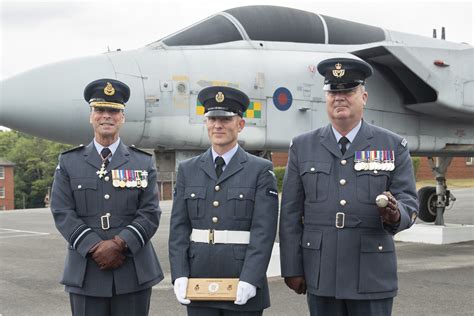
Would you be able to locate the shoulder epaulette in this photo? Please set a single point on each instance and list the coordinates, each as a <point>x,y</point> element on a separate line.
<point>140,150</point>
<point>73,149</point>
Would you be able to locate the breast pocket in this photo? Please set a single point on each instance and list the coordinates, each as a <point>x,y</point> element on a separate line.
<point>195,201</point>
<point>378,264</point>
<point>242,201</point>
<point>315,177</point>
<point>371,184</point>
<point>85,195</point>
<point>126,200</point>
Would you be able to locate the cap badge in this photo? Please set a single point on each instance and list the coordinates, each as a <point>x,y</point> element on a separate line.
<point>220,97</point>
<point>109,90</point>
<point>338,72</point>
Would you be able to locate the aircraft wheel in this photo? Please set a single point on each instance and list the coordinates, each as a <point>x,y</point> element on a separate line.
<point>427,198</point>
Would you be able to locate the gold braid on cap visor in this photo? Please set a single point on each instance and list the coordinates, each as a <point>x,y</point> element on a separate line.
<point>104,104</point>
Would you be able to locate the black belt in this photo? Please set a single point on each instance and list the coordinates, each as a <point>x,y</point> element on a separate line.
<point>342,220</point>
<point>107,221</point>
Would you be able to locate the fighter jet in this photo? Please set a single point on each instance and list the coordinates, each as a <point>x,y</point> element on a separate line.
<point>423,88</point>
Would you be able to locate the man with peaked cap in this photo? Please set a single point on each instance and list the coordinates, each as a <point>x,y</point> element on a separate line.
<point>336,243</point>
<point>224,215</point>
<point>105,204</point>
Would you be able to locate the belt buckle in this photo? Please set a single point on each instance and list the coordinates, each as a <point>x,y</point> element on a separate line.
<point>211,237</point>
<point>340,219</point>
<point>105,221</point>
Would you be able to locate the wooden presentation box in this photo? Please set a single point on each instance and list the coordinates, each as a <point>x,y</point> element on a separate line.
<point>202,289</point>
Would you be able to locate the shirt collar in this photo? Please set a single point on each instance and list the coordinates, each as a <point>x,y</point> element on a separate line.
<point>350,136</point>
<point>227,156</point>
<point>113,147</point>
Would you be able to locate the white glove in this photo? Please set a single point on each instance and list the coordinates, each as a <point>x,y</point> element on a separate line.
<point>180,286</point>
<point>245,291</point>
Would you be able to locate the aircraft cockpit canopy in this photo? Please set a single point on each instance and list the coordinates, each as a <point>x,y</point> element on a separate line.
<point>277,24</point>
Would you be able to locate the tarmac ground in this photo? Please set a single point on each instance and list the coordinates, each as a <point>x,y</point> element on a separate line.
<point>433,279</point>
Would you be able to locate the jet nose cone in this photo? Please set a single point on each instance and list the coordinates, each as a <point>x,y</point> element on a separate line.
<point>48,101</point>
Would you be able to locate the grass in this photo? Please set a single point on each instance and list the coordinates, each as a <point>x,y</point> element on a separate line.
<point>452,183</point>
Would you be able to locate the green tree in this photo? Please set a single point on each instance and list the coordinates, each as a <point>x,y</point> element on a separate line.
<point>35,161</point>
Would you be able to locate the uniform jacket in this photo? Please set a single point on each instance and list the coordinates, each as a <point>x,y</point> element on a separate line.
<point>357,261</point>
<point>248,201</point>
<point>80,198</point>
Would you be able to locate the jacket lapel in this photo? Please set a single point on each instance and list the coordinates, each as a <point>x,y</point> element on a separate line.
<point>235,165</point>
<point>120,157</point>
<point>361,141</point>
<point>92,157</point>
<point>207,165</point>
<point>328,140</point>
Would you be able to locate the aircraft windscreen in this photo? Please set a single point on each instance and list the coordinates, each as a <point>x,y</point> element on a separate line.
<point>279,24</point>
<point>347,32</point>
<point>215,30</point>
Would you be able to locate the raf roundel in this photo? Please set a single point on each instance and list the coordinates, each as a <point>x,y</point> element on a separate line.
<point>282,99</point>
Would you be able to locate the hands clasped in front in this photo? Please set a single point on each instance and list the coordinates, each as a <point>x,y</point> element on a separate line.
<point>109,254</point>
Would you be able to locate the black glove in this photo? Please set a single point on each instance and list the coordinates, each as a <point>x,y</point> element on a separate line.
<point>297,284</point>
<point>390,214</point>
<point>108,254</point>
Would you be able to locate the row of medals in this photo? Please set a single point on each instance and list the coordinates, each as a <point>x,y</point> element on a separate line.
<point>129,178</point>
<point>374,160</point>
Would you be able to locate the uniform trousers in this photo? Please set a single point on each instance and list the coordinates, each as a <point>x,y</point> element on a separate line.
<point>207,311</point>
<point>322,306</point>
<point>136,303</point>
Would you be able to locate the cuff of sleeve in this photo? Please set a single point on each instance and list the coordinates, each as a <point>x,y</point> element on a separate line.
<point>131,239</point>
<point>87,243</point>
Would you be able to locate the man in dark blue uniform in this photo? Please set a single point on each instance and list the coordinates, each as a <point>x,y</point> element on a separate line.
<point>225,210</point>
<point>105,204</point>
<point>336,244</point>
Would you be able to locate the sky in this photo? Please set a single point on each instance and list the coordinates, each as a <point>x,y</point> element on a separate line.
<point>34,33</point>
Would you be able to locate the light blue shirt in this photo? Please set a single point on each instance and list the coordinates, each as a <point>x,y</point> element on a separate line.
<point>113,147</point>
<point>227,156</point>
<point>350,136</point>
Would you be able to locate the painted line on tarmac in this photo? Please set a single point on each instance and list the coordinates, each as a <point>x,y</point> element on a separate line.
<point>22,233</point>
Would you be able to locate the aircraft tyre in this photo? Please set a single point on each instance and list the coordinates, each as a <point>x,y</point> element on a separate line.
<point>427,198</point>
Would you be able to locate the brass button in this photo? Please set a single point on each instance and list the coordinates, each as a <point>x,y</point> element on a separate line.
<point>193,195</point>
<point>241,196</point>
<point>215,203</point>
<point>343,202</point>
<point>215,219</point>
<point>343,162</point>
<point>380,247</point>
<point>106,196</point>
<point>217,188</point>
<point>342,181</point>
<point>107,178</point>
<point>312,169</point>
<point>375,171</point>
<point>79,186</point>
<point>308,244</point>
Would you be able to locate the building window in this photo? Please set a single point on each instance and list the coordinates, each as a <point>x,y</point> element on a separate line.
<point>470,161</point>
<point>2,172</point>
<point>2,192</point>
<point>2,207</point>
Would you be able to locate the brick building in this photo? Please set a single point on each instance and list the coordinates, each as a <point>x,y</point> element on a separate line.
<point>7,197</point>
<point>460,167</point>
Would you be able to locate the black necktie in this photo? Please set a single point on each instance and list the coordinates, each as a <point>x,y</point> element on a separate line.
<point>105,155</point>
<point>343,141</point>
<point>220,163</point>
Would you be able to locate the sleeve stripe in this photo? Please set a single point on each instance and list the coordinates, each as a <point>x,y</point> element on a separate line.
<point>137,233</point>
<point>142,230</point>
<point>85,231</point>
<point>76,231</point>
